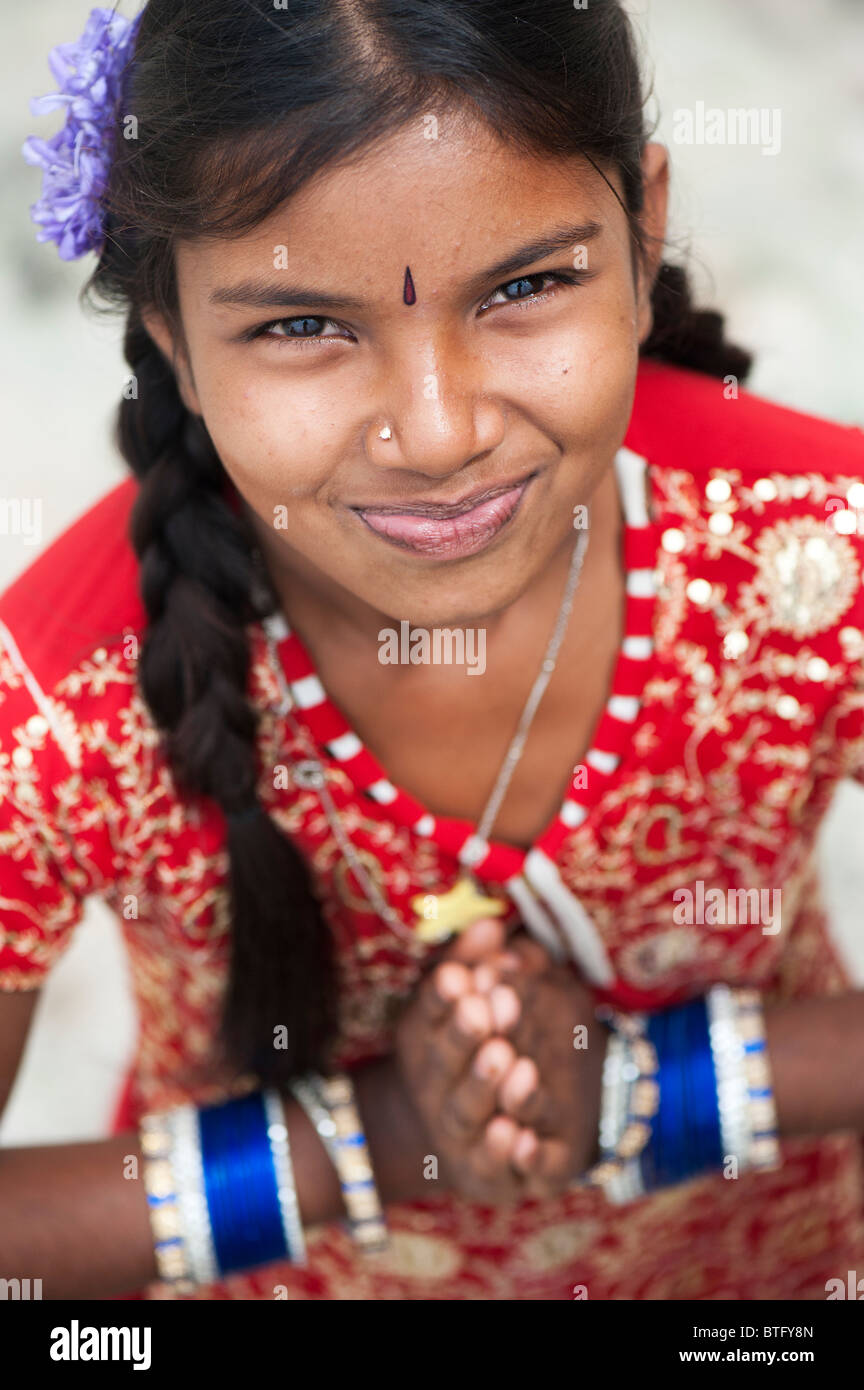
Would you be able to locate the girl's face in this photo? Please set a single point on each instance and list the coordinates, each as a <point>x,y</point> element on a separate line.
<point>505,379</point>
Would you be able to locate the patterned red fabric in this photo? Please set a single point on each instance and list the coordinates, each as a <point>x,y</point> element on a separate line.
<point>752,712</point>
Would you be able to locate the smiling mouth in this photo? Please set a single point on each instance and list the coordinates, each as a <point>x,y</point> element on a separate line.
<point>447,530</point>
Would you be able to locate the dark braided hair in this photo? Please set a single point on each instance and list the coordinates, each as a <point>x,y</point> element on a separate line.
<point>238,104</point>
<point>196,583</point>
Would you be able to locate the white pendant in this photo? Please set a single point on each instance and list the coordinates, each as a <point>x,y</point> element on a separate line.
<point>558,906</point>
<point>534,916</point>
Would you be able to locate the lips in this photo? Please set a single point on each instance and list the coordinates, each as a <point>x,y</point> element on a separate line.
<point>448,530</point>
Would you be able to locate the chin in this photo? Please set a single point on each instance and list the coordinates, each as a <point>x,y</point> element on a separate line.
<point>430,603</point>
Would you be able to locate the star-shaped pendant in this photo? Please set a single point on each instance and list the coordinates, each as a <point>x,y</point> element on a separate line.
<point>440,915</point>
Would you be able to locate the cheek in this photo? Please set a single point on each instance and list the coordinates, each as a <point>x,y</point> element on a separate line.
<point>269,444</point>
<point>580,380</point>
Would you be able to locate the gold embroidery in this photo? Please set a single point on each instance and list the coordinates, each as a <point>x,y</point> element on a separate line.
<point>558,1245</point>
<point>807,575</point>
<point>415,1256</point>
<point>745,814</point>
<point>672,846</point>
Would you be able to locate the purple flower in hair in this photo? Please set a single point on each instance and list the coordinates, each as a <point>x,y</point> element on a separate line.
<point>77,160</point>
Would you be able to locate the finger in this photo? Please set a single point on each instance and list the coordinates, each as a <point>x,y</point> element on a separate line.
<point>493,1060</point>
<point>505,1007</point>
<point>473,1100</point>
<point>519,1088</point>
<point>544,1165</point>
<point>489,973</point>
<point>523,959</point>
<point>457,1039</point>
<point>483,938</point>
<point>548,1165</point>
<point>525,1150</point>
<point>522,1096</point>
<point>439,992</point>
<point>496,1147</point>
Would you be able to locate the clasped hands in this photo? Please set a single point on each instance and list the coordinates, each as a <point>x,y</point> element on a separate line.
<point>486,1051</point>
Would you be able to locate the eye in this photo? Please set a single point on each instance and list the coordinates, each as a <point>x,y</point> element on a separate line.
<point>302,329</point>
<point>528,288</point>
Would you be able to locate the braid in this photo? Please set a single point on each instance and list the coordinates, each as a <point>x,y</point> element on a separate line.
<point>197,576</point>
<point>687,336</point>
<point>241,106</point>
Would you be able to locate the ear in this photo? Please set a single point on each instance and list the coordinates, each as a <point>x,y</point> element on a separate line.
<point>173,349</point>
<point>655,174</point>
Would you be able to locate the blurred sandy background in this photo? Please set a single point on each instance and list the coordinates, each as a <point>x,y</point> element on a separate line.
<point>776,243</point>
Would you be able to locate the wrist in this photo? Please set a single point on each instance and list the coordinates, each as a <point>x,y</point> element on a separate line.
<point>595,1061</point>
<point>398,1140</point>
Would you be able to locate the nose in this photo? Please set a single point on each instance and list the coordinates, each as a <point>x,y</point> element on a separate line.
<point>440,414</point>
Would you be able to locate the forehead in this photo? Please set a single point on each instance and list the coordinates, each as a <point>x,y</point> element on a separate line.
<point>444,193</point>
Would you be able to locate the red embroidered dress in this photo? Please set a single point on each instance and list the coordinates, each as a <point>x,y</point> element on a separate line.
<point>751,708</point>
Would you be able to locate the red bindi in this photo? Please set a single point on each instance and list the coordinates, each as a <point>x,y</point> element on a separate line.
<point>409,294</point>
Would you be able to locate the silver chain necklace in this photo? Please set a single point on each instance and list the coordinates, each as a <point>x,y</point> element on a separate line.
<point>538,689</point>
<point>311,772</point>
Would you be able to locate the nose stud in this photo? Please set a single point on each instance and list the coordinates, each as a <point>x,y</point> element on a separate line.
<point>385,433</point>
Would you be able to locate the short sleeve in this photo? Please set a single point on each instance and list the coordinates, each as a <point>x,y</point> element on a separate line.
<point>849,731</point>
<point>845,754</point>
<point>42,886</point>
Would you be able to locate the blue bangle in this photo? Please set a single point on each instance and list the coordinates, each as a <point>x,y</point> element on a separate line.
<point>663,1159</point>
<point>240,1184</point>
<point>685,1139</point>
<point>705,1143</point>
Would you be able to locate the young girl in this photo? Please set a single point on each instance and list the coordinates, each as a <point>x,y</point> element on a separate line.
<point>458,978</point>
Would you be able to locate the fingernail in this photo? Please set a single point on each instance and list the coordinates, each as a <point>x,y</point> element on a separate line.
<point>472,1015</point>
<point>485,978</point>
<point>489,1064</point>
<point>504,1003</point>
<point>525,1146</point>
<point>522,1081</point>
<point>449,982</point>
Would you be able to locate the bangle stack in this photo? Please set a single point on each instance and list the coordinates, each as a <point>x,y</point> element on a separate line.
<point>329,1104</point>
<point>220,1189</point>
<point>220,1182</point>
<point>629,1101</point>
<point>705,1098</point>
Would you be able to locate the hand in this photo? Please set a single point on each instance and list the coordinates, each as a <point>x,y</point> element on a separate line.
<point>453,1055</point>
<point>488,1051</point>
<point>553,1089</point>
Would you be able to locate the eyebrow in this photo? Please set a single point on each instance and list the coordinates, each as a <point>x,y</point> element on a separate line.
<point>264,294</point>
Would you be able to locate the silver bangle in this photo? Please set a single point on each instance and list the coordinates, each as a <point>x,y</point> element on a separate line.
<point>628,1102</point>
<point>191,1194</point>
<point>320,1117</point>
<point>280,1149</point>
<point>330,1106</point>
<point>620,1073</point>
<point>727,1051</point>
<point>626,1185</point>
<point>764,1149</point>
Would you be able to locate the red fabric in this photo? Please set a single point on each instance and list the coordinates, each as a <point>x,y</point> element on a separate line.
<point>728,771</point>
